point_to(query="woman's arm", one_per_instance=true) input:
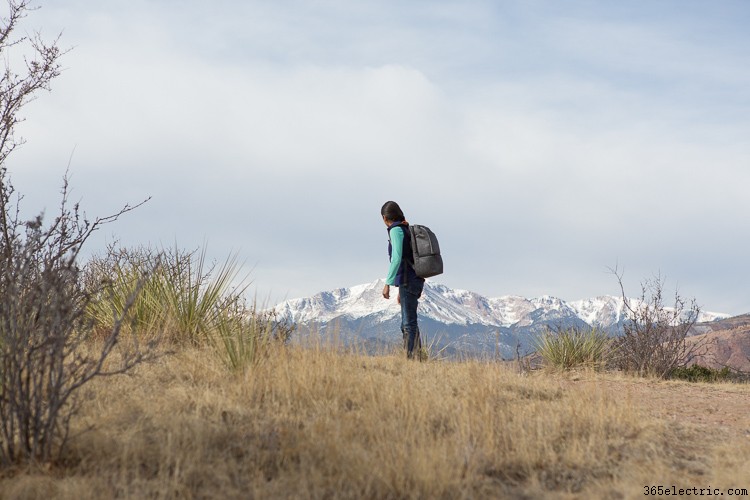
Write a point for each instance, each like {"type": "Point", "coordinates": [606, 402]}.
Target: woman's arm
{"type": "Point", "coordinates": [397, 251]}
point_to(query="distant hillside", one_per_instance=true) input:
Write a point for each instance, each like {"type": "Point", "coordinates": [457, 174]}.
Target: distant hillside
{"type": "Point", "coordinates": [727, 343]}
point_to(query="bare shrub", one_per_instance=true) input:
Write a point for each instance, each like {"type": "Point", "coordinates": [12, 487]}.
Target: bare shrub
{"type": "Point", "coordinates": [22, 80]}
{"type": "Point", "coordinates": [43, 320]}
{"type": "Point", "coordinates": [654, 339]}
{"type": "Point", "coordinates": [43, 327]}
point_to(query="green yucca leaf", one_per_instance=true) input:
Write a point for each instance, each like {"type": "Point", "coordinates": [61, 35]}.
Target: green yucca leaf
{"type": "Point", "coordinates": [572, 348]}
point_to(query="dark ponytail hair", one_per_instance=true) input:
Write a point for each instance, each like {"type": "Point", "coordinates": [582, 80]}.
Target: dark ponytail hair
{"type": "Point", "coordinates": [392, 212]}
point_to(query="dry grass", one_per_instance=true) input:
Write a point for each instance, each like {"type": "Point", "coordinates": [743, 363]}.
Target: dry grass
{"type": "Point", "coordinates": [314, 423]}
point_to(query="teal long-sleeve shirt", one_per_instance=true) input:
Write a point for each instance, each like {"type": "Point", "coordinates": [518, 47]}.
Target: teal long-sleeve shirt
{"type": "Point", "coordinates": [397, 252]}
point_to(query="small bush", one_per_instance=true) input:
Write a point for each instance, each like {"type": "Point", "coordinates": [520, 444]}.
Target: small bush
{"type": "Point", "coordinates": [698, 373]}
{"type": "Point", "coordinates": [572, 348]}
{"type": "Point", "coordinates": [654, 342]}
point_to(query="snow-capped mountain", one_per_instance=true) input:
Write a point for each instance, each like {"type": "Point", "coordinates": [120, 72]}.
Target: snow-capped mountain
{"type": "Point", "coordinates": [469, 322]}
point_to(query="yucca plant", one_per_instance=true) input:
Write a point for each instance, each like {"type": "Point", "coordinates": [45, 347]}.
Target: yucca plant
{"type": "Point", "coordinates": [573, 347]}
{"type": "Point", "coordinates": [430, 349]}
{"type": "Point", "coordinates": [241, 336]}
{"type": "Point", "coordinates": [112, 279]}
{"type": "Point", "coordinates": [198, 299]}
{"type": "Point", "coordinates": [180, 293]}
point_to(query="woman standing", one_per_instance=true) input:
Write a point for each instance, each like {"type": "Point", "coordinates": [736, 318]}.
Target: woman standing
{"type": "Point", "coordinates": [401, 274]}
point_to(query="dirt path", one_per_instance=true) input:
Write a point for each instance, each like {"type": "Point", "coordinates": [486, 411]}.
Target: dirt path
{"type": "Point", "coordinates": [722, 407]}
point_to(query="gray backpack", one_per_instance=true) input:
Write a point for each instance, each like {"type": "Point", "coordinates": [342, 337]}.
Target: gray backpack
{"type": "Point", "coordinates": [426, 250]}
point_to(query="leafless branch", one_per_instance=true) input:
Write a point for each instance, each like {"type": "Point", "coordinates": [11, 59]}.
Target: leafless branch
{"type": "Point", "coordinates": [46, 353]}
{"type": "Point", "coordinates": [654, 337]}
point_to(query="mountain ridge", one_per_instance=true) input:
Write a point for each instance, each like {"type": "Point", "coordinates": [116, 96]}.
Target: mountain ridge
{"type": "Point", "coordinates": [457, 307]}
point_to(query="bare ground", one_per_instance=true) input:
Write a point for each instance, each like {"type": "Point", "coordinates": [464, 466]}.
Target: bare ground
{"type": "Point", "coordinates": [712, 407]}
{"type": "Point", "coordinates": [705, 437]}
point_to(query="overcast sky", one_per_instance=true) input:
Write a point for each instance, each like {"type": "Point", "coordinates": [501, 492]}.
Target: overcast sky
{"type": "Point", "coordinates": [542, 141]}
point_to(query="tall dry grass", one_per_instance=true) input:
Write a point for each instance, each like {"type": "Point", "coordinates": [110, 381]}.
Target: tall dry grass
{"type": "Point", "coordinates": [318, 423]}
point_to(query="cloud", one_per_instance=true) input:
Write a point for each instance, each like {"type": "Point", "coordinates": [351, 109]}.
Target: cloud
{"type": "Point", "coordinates": [542, 144]}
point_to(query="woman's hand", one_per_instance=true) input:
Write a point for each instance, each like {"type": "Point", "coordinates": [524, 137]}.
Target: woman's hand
{"type": "Point", "coordinates": [387, 291]}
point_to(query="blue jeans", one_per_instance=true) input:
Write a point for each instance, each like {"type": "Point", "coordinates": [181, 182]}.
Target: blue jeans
{"type": "Point", "coordinates": [409, 294]}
